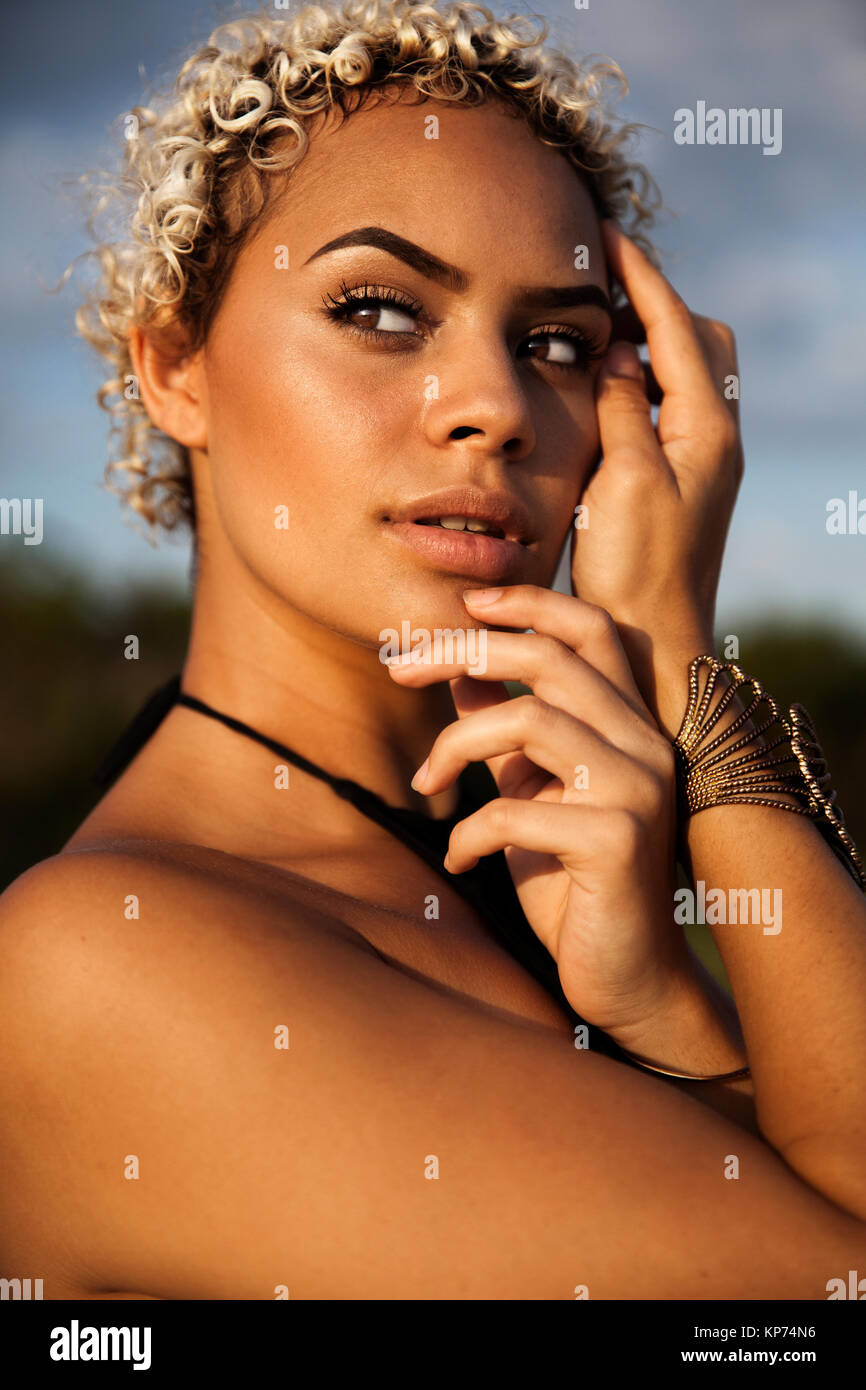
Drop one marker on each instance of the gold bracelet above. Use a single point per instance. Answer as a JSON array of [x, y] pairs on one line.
[[785, 757], [781, 755], [685, 1075]]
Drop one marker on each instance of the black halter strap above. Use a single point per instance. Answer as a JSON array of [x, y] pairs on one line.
[[427, 838], [488, 887]]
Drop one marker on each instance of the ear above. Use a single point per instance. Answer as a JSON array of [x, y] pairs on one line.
[[171, 383]]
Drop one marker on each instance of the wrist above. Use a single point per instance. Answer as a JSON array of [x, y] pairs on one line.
[[661, 670], [695, 1029]]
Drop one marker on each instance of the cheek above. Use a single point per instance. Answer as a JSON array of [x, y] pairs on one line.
[[585, 429], [275, 419], [301, 446], [575, 449]]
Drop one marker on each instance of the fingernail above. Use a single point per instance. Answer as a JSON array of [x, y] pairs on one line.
[[402, 659], [481, 596], [622, 360], [420, 775]]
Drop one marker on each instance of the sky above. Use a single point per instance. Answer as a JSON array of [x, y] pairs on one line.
[[772, 244]]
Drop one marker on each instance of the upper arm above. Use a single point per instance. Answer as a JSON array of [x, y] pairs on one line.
[[406, 1143]]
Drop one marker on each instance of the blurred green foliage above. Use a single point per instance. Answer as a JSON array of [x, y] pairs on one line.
[[69, 691]]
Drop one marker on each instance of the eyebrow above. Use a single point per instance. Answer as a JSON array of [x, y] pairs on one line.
[[543, 296]]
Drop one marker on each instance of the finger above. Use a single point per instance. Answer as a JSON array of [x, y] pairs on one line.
[[624, 420], [628, 328], [720, 350], [651, 386], [716, 340], [589, 631], [583, 763], [550, 669], [574, 834], [470, 696], [675, 351]]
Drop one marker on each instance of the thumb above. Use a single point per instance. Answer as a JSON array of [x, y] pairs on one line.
[[623, 406]]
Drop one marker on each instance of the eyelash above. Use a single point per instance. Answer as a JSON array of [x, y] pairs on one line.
[[373, 296]]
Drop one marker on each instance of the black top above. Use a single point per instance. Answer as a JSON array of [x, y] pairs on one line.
[[488, 888]]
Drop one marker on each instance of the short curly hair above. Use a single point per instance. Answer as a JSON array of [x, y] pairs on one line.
[[198, 161]]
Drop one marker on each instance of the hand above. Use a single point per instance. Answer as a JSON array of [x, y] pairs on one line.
[[591, 855], [659, 506]]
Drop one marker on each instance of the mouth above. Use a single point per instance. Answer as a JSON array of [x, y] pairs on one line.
[[475, 525], [467, 531], [472, 510]]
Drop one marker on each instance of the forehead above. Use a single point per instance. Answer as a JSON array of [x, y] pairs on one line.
[[450, 176]]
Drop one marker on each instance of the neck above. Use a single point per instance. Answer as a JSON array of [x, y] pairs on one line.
[[327, 697]]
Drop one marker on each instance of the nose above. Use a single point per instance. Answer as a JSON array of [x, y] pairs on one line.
[[478, 398]]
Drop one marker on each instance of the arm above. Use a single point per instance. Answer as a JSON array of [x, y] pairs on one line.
[[306, 1167], [660, 506], [809, 1098], [800, 993]]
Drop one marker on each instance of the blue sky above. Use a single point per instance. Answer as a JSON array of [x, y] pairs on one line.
[[772, 244]]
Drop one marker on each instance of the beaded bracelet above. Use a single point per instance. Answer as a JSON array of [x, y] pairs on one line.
[[789, 760]]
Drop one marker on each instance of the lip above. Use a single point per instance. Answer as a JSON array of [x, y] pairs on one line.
[[469, 553], [499, 509], [464, 552]]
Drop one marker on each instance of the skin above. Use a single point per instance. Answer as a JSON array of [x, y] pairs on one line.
[[261, 908]]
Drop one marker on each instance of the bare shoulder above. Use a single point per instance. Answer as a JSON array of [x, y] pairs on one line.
[[156, 884], [151, 924], [121, 966], [145, 921], [151, 931], [222, 1098], [148, 933]]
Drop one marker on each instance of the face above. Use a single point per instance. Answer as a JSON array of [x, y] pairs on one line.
[[374, 383]]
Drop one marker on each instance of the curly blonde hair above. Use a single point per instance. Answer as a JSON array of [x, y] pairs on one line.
[[198, 161]]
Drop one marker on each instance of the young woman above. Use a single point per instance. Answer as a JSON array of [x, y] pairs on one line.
[[377, 299]]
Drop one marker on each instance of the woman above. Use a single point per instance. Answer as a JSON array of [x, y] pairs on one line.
[[265, 1040]]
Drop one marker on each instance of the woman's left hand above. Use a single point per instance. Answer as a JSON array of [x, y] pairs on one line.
[[586, 812], [649, 544]]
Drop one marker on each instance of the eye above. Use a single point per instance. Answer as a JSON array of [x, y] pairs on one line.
[[382, 314], [374, 311], [388, 320], [564, 347]]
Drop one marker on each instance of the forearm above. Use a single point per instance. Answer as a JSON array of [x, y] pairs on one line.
[[800, 991], [799, 982]]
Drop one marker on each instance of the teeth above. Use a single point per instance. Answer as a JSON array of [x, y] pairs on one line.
[[459, 523]]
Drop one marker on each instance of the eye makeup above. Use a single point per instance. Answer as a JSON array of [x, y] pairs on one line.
[[376, 299]]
